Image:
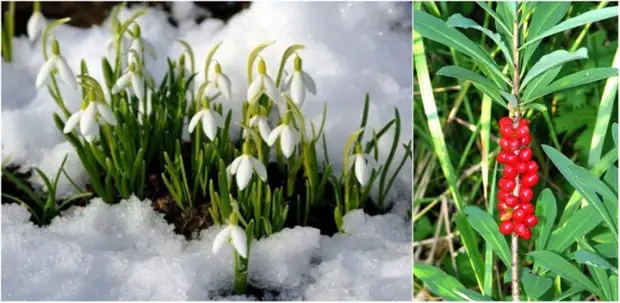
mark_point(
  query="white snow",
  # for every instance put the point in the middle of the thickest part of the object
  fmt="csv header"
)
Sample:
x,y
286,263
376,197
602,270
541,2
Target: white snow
x,y
127,252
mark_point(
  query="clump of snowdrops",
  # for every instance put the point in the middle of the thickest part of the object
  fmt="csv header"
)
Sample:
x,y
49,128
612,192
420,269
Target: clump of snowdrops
x,y
130,127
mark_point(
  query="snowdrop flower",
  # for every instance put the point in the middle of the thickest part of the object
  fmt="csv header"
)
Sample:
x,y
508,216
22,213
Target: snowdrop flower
x,y
87,118
244,166
289,137
211,120
233,234
36,24
140,45
218,83
263,125
56,62
364,164
130,77
262,83
145,109
298,82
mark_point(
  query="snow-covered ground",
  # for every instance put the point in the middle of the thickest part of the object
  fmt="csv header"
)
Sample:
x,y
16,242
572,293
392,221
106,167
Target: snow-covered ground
x,y
128,252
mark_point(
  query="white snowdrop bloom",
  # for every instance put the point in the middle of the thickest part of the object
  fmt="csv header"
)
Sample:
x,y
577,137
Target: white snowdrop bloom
x,y
298,82
364,165
261,83
244,166
235,235
36,24
263,126
145,109
289,137
56,62
140,45
218,82
211,121
87,119
130,77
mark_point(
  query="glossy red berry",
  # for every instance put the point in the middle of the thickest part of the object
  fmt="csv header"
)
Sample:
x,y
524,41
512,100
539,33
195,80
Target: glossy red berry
x,y
525,154
506,227
514,144
527,207
511,159
524,122
521,168
532,167
522,131
526,234
502,206
518,215
529,180
510,171
504,144
501,195
501,157
512,201
505,120
526,140
507,184
506,131
519,229
531,220
526,194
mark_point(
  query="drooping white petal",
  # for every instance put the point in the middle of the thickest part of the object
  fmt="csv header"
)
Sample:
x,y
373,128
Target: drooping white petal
x,y
137,86
66,74
210,90
254,89
235,165
298,91
239,240
287,141
270,87
223,82
72,122
221,239
371,162
36,25
360,170
259,168
219,120
194,121
120,83
88,121
244,172
309,83
263,128
45,71
92,133
209,126
286,84
106,113
273,136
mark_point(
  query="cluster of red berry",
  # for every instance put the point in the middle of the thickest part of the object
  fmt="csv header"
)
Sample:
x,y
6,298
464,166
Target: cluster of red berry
x,y
520,175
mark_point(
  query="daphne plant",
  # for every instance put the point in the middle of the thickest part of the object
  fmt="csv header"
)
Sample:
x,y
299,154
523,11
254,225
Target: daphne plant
x,y
519,88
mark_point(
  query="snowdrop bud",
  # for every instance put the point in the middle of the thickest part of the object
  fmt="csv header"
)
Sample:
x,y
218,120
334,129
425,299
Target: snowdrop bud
x,y
358,149
182,61
246,147
297,64
218,68
137,31
232,219
55,48
262,68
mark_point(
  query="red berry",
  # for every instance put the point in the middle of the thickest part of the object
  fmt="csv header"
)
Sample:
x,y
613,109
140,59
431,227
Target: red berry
x,y
523,121
526,140
519,229
526,194
529,180
525,154
501,157
502,206
527,207
512,201
504,144
506,227
501,195
532,167
518,215
505,215
510,171
522,131
505,120
506,131
514,144
526,234
507,184
531,220
521,168
511,159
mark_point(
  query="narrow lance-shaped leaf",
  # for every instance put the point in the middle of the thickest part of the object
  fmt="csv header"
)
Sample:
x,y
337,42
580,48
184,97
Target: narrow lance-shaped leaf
x,y
483,84
546,15
552,60
486,226
560,266
443,284
573,80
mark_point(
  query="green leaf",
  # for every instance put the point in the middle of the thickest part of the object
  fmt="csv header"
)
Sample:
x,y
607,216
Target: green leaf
x,y
464,74
546,211
458,20
589,258
614,132
576,79
560,266
613,281
438,31
588,17
546,15
486,226
581,223
552,60
541,82
491,12
535,286
611,178
443,285
489,259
